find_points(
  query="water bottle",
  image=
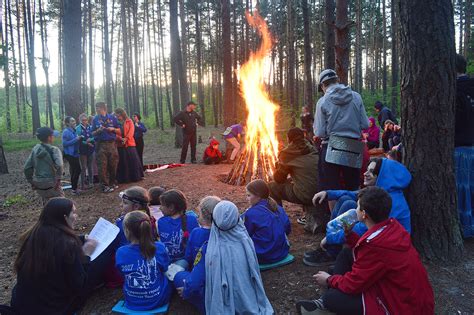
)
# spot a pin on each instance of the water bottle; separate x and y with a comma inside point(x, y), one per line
point(348, 218)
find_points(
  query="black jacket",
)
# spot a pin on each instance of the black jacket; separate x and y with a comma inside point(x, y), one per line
point(464, 127)
point(386, 114)
point(54, 293)
point(189, 120)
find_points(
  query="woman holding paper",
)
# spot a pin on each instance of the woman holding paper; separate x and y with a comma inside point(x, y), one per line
point(53, 267)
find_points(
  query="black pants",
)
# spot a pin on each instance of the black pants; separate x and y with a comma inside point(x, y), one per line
point(335, 300)
point(212, 160)
point(188, 139)
point(330, 174)
point(140, 145)
point(74, 169)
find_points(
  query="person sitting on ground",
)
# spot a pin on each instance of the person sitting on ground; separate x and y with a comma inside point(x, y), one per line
point(381, 273)
point(212, 154)
point(191, 285)
point(267, 224)
point(233, 135)
point(372, 134)
point(299, 160)
point(392, 135)
point(390, 175)
point(233, 281)
point(176, 225)
point(143, 264)
point(384, 114)
point(53, 266)
point(44, 167)
point(71, 142)
point(155, 203)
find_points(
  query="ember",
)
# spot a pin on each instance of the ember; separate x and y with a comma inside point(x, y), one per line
point(258, 158)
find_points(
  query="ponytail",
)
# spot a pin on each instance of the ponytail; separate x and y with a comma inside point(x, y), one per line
point(272, 204)
point(138, 227)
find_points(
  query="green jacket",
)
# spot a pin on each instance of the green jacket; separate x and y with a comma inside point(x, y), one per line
point(44, 165)
point(300, 160)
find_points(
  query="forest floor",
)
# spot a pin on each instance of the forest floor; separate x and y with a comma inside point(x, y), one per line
point(19, 209)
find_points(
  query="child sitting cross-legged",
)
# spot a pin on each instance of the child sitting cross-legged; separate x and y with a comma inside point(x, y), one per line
point(176, 226)
point(191, 285)
point(267, 224)
point(143, 264)
point(381, 272)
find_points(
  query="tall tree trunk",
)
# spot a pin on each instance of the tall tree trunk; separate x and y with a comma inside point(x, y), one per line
point(330, 40)
point(84, 89)
point(183, 81)
point(106, 55)
point(165, 70)
point(21, 87)
point(342, 40)
point(291, 63)
point(152, 71)
point(15, 70)
point(30, 48)
point(6, 62)
point(307, 56)
point(395, 67)
point(45, 62)
point(461, 25)
point(427, 93)
point(384, 52)
point(200, 91)
point(227, 63)
point(136, 101)
point(467, 28)
point(175, 54)
point(91, 58)
point(358, 47)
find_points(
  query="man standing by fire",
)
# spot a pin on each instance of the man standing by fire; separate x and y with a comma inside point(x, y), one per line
point(338, 122)
point(188, 120)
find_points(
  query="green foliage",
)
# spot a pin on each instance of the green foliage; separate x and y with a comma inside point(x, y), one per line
point(13, 145)
point(15, 199)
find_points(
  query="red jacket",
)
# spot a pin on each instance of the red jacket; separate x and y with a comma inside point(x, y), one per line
point(211, 152)
point(388, 272)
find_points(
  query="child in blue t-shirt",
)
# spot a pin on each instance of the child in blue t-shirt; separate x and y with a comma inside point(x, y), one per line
point(191, 285)
point(176, 226)
point(143, 264)
point(267, 224)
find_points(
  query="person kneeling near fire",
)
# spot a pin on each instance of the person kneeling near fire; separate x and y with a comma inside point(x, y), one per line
point(381, 272)
point(212, 154)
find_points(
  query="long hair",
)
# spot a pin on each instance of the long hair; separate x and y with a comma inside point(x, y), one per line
point(260, 188)
point(121, 112)
point(137, 226)
point(139, 196)
point(178, 200)
point(50, 238)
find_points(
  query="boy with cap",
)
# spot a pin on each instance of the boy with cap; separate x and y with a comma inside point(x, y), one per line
point(44, 167)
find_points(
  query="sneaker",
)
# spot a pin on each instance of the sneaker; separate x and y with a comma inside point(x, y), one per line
point(320, 258)
point(301, 220)
point(311, 253)
point(313, 307)
point(107, 189)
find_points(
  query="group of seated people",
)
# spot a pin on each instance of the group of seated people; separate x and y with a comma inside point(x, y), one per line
point(211, 256)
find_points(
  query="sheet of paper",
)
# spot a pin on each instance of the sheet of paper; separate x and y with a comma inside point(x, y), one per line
point(104, 233)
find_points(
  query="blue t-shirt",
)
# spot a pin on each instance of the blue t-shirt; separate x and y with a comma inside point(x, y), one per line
point(105, 121)
point(194, 282)
point(146, 286)
point(198, 237)
point(268, 231)
point(121, 236)
point(171, 234)
point(139, 130)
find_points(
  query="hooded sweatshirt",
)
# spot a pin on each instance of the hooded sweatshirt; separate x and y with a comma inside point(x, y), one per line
point(233, 281)
point(300, 160)
point(394, 177)
point(211, 152)
point(340, 112)
point(44, 166)
point(374, 131)
point(388, 272)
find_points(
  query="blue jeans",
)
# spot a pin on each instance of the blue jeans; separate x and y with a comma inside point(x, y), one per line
point(343, 204)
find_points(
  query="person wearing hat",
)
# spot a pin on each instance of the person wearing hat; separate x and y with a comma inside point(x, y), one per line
point(340, 114)
point(299, 160)
point(384, 114)
point(44, 167)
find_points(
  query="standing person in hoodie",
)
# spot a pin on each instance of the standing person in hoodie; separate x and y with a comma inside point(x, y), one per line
point(212, 154)
point(71, 142)
point(390, 175)
point(339, 113)
point(381, 272)
point(44, 167)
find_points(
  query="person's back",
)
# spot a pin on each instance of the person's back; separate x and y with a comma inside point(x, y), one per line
point(47, 163)
point(268, 230)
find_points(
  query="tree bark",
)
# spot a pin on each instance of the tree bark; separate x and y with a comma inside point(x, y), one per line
point(291, 63)
point(467, 27)
point(342, 40)
point(91, 59)
point(165, 71)
point(358, 47)
point(461, 26)
point(227, 63)
point(5, 61)
point(200, 90)
point(107, 57)
point(3, 160)
point(45, 62)
point(15, 72)
point(175, 54)
point(308, 99)
point(72, 58)
point(428, 92)
point(395, 61)
point(384, 52)
point(330, 39)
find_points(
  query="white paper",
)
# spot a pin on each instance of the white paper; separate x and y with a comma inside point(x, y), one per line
point(104, 233)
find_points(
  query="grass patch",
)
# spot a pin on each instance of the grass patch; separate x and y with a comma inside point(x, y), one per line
point(13, 145)
point(13, 200)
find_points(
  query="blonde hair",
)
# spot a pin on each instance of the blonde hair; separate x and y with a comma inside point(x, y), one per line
point(206, 206)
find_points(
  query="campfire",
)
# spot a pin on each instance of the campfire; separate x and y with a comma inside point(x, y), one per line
point(258, 158)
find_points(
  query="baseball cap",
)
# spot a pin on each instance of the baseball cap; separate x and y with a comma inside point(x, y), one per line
point(44, 132)
point(327, 75)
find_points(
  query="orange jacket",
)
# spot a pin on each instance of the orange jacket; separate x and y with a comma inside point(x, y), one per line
point(127, 133)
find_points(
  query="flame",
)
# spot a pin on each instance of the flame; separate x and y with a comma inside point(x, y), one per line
point(260, 137)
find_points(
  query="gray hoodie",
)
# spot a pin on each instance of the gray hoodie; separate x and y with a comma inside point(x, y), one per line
point(340, 112)
point(44, 165)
